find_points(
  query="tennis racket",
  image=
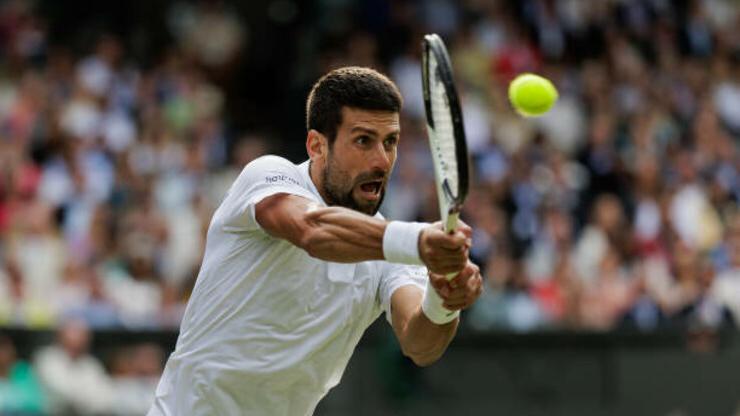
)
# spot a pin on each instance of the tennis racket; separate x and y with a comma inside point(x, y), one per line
point(445, 131)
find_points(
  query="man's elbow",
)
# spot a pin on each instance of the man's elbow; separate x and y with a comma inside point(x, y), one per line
point(425, 358)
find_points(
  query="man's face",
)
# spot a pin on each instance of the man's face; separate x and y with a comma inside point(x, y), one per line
point(361, 159)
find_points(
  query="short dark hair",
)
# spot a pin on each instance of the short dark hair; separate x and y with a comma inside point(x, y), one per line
point(352, 86)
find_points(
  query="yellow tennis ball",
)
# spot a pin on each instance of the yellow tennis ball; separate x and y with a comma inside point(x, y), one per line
point(532, 95)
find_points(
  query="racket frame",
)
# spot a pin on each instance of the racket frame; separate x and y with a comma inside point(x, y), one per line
point(433, 44)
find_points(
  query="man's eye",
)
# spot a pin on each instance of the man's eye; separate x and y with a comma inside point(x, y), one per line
point(390, 142)
point(362, 140)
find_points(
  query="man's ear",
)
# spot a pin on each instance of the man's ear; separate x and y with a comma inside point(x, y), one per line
point(317, 145)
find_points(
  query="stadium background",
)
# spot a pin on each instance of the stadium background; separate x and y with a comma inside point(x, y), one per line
point(608, 230)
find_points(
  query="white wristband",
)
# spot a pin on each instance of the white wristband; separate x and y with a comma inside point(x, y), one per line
point(401, 242)
point(432, 306)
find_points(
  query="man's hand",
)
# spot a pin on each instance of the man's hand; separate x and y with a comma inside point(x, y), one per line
point(445, 253)
point(460, 292)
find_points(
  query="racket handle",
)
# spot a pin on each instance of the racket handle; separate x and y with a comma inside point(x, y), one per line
point(450, 227)
point(451, 223)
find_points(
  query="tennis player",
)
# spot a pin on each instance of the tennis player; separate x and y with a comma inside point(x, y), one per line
point(298, 263)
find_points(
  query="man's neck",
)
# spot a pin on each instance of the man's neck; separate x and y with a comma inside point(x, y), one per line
point(314, 175)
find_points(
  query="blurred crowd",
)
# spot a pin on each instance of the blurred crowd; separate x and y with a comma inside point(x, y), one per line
point(66, 378)
point(108, 174)
point(617, 208)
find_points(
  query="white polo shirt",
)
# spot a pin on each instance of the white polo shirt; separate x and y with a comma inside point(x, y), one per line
point(269, 329)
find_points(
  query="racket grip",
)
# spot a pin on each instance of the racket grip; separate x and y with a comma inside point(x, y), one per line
point(451, 223)
point(450, 226)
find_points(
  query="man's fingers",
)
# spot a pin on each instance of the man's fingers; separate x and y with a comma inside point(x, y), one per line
point(470, 269)
point(465, 229)
point(459, 301)
point(449, 293)
point(449, 264)
point(441, 284)
point(465, 274)
point(448, 241)
point(464, 289)
point(460, 265)
point(455, 295)
point(446, 268)
point(471, 289)
point(444, 253)
point(457, 304)
point(454, 307)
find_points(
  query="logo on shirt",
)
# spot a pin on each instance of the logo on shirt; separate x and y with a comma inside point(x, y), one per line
point(281, 178)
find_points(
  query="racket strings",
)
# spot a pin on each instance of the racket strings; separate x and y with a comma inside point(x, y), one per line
point(444, 135)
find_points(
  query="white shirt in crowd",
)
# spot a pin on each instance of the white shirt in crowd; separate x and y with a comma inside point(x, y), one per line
point(269, 329)
point(74, 385)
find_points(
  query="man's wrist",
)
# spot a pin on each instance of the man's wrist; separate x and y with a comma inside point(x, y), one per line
point(401, 242)
point(432, 305)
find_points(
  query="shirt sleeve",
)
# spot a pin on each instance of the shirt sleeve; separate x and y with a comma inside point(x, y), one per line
point(395, 276)
point(263, 177)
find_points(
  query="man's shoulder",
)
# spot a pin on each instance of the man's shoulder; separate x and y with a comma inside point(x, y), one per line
point(270, 162)
point(272, 170)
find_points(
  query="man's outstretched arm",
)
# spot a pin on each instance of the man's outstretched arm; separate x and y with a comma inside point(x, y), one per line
point(342, 235)
point(421, 339)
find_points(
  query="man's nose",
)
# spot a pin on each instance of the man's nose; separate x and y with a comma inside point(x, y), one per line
point(380, 159)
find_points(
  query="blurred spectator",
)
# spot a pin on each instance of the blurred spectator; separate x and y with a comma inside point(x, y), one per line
point(210, 32)
point(726, 289)
point(12, 297)
point(135, 371)
point(691, 212)
point(505, 302)
point(37, 237)
point(705, 313)
point(135, 289)
point(607, 295)
point(676, 288)
point(559, 295)
point(727, 95)
point(81, 295)
point(20, 391)
point(551, 246)
point(76, 382)
point(96, 72)
point(604, 236)
point(405, 70)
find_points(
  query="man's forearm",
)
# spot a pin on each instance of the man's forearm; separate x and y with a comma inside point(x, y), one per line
point(327, 233)
point(421, 340)
point(342, 235)
point(427, 341)
point(345, 236)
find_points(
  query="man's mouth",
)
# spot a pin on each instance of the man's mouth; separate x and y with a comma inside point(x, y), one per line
point(371, 189)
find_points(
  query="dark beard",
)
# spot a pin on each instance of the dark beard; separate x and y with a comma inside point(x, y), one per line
point(337, 189)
